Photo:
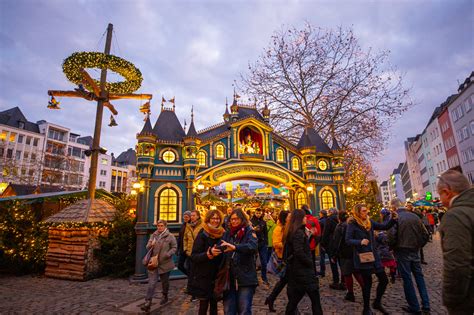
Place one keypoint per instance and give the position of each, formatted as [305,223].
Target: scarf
[366,224]
[159,236]
[239,230]
[194,224]
[212,231]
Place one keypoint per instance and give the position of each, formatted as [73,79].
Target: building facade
[384,193]
[462,117]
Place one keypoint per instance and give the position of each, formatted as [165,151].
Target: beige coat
[190,234]
[165,247]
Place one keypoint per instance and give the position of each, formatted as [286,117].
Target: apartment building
[406,181]
[384,193]
[462,118]
[412,147]
[395,185]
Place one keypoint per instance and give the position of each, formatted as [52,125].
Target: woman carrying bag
[360,234]
[206,258]
[163,246]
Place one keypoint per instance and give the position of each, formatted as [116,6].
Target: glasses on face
[215,218]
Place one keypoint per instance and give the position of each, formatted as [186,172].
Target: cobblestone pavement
[40,295]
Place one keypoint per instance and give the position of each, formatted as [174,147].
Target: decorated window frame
[323,161]
[301,199]
[295,164]
[168,197]
[278,158]
[164,150]
[216,151]
[327,198]
[202,158]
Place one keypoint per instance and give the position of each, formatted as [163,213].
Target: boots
[350,297]
[164,300]
[379,307]
[146,307]
[271,307]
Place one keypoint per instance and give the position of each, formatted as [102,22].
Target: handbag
[367,257]
[147,257]
[153,263]
[276,266]
[222,282]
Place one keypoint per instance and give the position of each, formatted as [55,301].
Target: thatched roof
[85,211]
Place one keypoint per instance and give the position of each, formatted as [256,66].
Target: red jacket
[430,218]
[312,224]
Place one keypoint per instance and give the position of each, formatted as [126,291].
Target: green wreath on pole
[73,65]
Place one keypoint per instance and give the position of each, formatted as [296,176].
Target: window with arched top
[295,164]
[327,200]
[201,158]
[167,207]
[280,155]
[220,151]
[300,199]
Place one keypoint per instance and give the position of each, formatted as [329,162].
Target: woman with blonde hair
[360,234]
[206,258]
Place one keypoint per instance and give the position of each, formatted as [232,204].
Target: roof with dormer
[13,116]
[310,138]
[168,127]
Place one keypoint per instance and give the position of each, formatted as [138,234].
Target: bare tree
[324,79]
[17,170]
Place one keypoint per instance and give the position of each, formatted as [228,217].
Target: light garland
[81,60]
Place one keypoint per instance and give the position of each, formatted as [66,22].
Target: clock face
[169,156]
[322,165]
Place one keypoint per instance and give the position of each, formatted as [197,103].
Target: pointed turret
[335,145]
[147,129]
[226,114]
[192,130]
[168,127]
[266,112]
[310,138]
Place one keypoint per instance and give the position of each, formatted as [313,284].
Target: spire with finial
[335,145]
[147,127]
[234,108]
[192,130]
[266,111]
[185,125]
[226,114]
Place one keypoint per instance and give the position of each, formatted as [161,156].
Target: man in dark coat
[457,242]
[407,238]
[326,243]
[260,227]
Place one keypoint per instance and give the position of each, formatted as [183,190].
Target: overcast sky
[194,50]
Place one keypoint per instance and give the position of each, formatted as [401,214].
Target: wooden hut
[71,249]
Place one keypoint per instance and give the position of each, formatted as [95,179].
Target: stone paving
[40,295]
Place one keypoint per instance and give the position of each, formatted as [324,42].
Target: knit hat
[187,212]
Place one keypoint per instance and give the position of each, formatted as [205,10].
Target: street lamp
[309,189]
[349,189]
[200,187]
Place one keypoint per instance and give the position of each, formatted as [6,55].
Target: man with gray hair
[407,237]
[457,242]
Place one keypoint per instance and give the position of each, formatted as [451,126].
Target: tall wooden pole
[98,119]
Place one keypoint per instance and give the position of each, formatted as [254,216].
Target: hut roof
[85,211]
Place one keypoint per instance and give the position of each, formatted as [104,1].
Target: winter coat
[190,234]
[328,233]
[260,227]
[271,225]
[203,270]
[409,232]
[300,264]
[165,247]
[242,267]
[356,233]
[339,246]
[312,224]
[381,245]
[278,240]
[457,243]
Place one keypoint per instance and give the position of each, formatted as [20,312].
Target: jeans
[408,262]
[334,271]
[262,253]
[182,263]
[296,293]
[153,280]
[367,286]
[322,261]
[204,305]
[239,301]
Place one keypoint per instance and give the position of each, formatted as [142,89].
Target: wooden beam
[90,81]
[69,94]
[130,96]
[110,107]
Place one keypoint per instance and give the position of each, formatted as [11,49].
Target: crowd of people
[219,254]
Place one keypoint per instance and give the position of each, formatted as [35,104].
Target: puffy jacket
[165,247]
[328,233]
[278,240]
[260,227]
[457,243]
[356,233]
[190,234]
[242,267]
[271,225]
[312,224]
[300,265]
[203,270]
[409,232]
